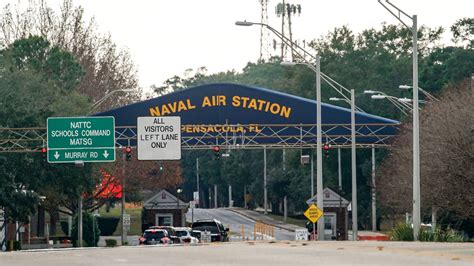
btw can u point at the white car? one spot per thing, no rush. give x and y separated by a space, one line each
184 234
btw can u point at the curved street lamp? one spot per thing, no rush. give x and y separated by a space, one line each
427 94
105 97
302 54
398 13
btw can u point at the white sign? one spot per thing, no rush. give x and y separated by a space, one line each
196 196
159 138
192 204
126 219
301 234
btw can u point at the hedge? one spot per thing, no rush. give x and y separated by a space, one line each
107 225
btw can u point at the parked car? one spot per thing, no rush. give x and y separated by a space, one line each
215 227
184 234
154 236
171 232
197 234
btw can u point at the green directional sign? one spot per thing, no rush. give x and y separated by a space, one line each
87 139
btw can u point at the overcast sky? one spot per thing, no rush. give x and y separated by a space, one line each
165 38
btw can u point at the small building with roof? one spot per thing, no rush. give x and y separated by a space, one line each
164 209
335 214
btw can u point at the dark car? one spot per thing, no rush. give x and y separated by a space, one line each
154 236
217 230
171 232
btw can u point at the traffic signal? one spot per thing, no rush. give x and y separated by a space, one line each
326 150
44 153
128 152
217 152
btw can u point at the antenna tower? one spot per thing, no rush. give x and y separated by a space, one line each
286 11
264 33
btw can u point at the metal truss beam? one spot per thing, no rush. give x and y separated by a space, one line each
196 137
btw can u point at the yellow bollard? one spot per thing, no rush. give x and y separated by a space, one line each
243 233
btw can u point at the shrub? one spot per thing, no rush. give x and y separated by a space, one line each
65 227
90 230
110 243
402 232
107 225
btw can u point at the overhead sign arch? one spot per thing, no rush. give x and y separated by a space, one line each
240 116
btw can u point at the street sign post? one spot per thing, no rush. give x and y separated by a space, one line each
159 138
313 213
84 139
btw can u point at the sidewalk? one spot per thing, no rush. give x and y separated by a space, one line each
256 216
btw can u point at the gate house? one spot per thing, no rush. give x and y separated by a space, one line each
164 209
335 214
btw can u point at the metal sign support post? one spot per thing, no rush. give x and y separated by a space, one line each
79 223
265 179
124 231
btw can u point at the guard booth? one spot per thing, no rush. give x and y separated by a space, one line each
164 209
335 214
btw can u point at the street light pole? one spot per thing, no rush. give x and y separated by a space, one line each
319 152
354 169
416 137
353 162
416 126
302 53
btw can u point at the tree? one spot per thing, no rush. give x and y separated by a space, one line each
90 228
148 176
35 80
106 68
463 32
447 158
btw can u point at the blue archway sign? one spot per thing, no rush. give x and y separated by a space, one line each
240 115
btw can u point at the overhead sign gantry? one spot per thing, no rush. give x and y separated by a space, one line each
235 116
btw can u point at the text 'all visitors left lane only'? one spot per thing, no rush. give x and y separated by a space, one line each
159 138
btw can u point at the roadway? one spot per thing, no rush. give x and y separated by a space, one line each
234 221
256 253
